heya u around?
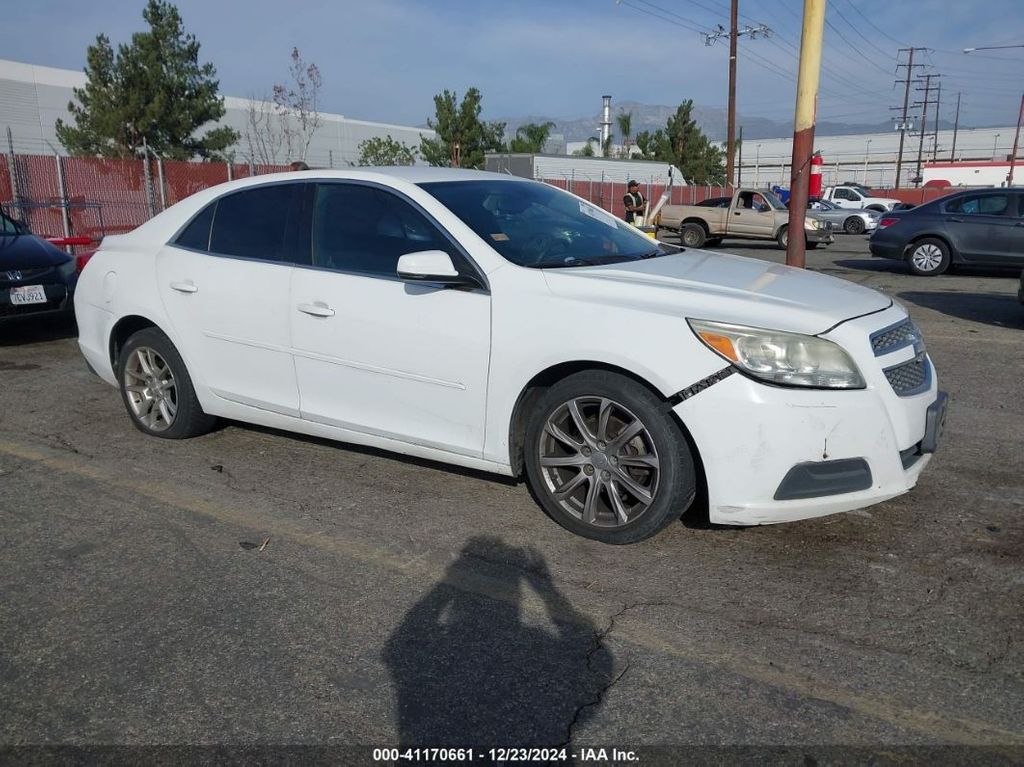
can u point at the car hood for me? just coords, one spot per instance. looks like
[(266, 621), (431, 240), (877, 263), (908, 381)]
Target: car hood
[(26, 251), (714, 286)]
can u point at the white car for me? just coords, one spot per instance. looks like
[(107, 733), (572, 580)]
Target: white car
[(502, 324)]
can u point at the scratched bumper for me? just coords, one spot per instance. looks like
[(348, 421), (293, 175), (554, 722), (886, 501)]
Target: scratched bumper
[(750, 436)]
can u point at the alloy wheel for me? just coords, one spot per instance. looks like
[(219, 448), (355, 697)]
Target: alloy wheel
[(151, 389), (599, 461), (927, 257)]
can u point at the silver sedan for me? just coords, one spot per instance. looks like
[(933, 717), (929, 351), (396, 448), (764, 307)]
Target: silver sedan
[(845, 219)]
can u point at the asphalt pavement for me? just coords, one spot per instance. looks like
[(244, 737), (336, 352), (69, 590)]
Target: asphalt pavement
[(260, 588)]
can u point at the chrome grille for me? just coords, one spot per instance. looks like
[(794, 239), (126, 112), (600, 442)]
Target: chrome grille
[(894, 337), (911, 377)]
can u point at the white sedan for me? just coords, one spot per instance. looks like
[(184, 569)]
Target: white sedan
[(505, 325)]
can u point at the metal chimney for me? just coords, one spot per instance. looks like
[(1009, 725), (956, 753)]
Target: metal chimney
[(606, 120)]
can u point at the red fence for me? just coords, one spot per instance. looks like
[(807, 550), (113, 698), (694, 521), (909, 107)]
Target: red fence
[(103, 196)]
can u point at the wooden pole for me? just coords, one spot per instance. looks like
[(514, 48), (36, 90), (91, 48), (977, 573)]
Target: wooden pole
[(730, 142), (1016, 141), (803, 128)]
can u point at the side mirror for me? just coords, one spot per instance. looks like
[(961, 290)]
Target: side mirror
[(431, 266)]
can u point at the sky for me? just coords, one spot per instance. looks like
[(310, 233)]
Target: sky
[(383, 60)]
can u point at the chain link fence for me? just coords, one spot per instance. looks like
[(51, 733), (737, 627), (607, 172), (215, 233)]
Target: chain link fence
[(90, 197)]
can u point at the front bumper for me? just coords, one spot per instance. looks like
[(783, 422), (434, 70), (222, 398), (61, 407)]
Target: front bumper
[(753, 437), (820, 235)]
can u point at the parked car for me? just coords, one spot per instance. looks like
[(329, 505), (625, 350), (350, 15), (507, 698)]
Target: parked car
[(849, 221), (978, 226), (752, 214), (501, 324), (857, 196), (1020, 289), (36, 278)]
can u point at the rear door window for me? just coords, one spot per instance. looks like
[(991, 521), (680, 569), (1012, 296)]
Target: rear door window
[(263, 223), (980, 205)]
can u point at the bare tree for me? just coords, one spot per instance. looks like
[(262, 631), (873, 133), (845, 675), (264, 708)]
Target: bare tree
[(265, 131), (298, 106)]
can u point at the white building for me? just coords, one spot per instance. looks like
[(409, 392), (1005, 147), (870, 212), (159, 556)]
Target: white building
[(32, 98), (871, 158)]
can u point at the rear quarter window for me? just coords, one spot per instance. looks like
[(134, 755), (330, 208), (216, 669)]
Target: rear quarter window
[(197, 234)]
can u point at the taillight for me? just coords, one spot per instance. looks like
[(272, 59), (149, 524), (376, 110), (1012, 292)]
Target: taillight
[(82, 259), (887, 222)]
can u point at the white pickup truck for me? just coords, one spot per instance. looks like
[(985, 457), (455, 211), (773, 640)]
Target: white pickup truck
[(856, 196)]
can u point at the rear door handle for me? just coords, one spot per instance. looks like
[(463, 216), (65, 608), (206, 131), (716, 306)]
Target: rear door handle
[(317, 309), (957, 219), (184, 287)]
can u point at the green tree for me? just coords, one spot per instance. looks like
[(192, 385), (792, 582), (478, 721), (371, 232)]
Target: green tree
[(625, 122), (385, 151), (683, 144), (587, 150), (531, 137), (462, 137), (153, 90), (699, 160)]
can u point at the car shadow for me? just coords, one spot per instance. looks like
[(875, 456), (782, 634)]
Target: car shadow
[(495, 655), (371, 451), (873, 265), (999, 309), (36, 330)]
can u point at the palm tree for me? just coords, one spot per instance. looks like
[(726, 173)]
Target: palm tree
[(625, 121)]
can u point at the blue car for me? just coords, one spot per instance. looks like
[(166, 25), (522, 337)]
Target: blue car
[(982, 227), (36, 278)]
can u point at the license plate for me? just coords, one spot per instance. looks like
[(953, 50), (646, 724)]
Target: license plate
[(28, 294)]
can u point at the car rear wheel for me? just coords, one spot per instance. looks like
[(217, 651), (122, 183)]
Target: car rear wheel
[(928, 257), (157, 390), (605, 459), (692, 235), (854, 225)]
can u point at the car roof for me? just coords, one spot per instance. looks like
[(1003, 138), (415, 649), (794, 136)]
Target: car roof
[(414, 174)]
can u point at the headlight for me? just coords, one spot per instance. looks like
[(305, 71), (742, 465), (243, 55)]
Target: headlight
[(775, 356), (812, 223)]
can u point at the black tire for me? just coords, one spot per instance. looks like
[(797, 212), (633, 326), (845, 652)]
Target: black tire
[(673, 481), (188, 419), (854, 225), (692, 235), (782, 237), (928, 257), (713, 242)]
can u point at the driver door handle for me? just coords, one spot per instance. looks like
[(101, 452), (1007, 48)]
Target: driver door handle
[(184, 287), (317, 309)]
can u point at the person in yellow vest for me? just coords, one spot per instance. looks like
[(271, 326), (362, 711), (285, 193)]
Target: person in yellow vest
[(634, 201)]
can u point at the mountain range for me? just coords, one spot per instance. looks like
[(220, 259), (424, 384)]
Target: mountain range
[(712, 120)]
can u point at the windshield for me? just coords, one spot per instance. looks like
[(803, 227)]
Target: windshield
[(536, 225), (774, 201)]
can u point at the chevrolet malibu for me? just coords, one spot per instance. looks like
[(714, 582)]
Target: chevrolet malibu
[(505, 325)]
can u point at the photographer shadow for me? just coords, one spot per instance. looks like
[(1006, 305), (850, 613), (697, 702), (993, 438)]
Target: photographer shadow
[(481, 662)]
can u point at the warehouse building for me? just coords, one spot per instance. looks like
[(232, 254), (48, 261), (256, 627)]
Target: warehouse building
[(32, 98)]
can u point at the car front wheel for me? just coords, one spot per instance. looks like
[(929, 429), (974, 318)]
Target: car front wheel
[(157, 390), (605, 459), (928, 257), (854, 225)]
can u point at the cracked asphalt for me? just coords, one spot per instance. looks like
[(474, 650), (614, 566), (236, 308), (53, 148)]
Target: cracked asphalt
[(399, 601)]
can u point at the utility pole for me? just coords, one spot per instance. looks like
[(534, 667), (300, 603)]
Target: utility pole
[(1016, 141), (734, 34), (956, 127), (927, 80), (903, 125), (739, 162), (938, 104), (731, 130), (803, 127)]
